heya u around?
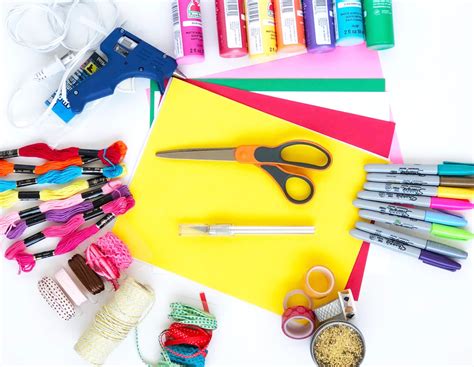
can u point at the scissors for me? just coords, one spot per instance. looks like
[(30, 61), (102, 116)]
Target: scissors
[(273, 160)]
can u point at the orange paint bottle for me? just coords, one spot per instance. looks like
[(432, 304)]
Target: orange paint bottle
[(289, 25)]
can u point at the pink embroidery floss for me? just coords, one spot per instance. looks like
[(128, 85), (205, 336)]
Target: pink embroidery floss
[(108, 257), (71, 241)]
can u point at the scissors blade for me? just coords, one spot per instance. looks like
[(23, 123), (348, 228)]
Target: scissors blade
[(221, 154)]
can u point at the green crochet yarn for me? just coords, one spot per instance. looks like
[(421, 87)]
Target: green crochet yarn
[(192, 316)]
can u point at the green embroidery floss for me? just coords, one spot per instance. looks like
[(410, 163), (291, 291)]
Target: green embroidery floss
[(378, 20)]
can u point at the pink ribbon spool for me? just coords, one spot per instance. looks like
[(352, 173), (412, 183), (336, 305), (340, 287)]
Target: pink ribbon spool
[(292, 326)]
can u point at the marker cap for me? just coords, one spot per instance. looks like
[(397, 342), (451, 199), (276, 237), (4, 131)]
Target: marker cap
[(442, 249), (439, 261), (456, 169), (456, 193), (450, 204), (453, 233), (447, 219)]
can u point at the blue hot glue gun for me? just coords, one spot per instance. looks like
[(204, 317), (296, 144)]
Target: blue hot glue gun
[(127, 57)]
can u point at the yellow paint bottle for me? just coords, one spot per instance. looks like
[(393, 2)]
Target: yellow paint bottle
[(260, 18)]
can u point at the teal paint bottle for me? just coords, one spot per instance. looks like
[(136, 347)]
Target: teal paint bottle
[(349, 22)]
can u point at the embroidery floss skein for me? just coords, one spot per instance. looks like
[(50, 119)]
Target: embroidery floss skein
[(8, 220), (114, 321), (63, 215), (62, 177), (110, 156), (108, 256), (7, 168), (10, 197), (86, 275), (27, 261)]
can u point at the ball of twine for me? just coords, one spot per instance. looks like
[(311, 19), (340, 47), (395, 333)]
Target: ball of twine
[(114, 321)]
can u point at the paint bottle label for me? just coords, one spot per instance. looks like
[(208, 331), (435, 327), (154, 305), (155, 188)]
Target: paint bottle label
[(379, 24), (93, 64), (349, 22), (322, 22), (261, 27), (232, 23), (187, 31), (288, 22)]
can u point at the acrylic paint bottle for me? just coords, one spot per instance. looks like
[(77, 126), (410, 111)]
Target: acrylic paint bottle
[(348, 22), (231, 30), (261, 34), (319, 25), (187, 30), (379, 24), (289, 24)]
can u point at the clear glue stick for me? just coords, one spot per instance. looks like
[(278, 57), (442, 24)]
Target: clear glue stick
[(289, 25), (260, 17), (187, 30), (231, 28)]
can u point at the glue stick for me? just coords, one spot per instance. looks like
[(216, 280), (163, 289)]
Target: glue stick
[(348, 22), (319, 25), (231, 28), (289, 25), (379, 24), (187, 30), (261, 33)]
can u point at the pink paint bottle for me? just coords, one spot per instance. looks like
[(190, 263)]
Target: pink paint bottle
[(187, 30), (231, 30)]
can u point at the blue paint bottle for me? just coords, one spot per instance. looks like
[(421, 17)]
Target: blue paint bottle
[(349, 22)]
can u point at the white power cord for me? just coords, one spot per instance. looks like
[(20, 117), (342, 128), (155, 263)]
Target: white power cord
[(59, 15)]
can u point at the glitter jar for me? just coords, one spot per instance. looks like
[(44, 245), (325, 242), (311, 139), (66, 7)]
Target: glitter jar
[(349, 331)]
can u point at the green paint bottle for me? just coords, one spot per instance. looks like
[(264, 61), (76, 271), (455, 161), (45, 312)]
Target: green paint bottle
[(378, 24)]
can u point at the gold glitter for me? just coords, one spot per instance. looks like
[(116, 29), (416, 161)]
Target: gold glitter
[(338, 346)]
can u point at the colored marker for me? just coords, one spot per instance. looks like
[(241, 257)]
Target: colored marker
[(187, 31), (444, 192), (348, 21), (261, 34), (319, 25), (403, 211), (429, 180), (446, 169), (423, 201), (427, 257), (231, 31), (289, 25), (432, 246), (437, 230)]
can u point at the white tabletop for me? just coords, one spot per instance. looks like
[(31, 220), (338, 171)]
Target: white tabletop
[(410, 314)]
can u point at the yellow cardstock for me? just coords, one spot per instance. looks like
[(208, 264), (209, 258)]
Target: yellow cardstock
[(257, 269)]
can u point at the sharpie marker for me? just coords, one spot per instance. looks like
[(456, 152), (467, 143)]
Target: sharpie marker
[(448, 169), (444, 192), (427, 257), (432, 246), (423, 201), (434, 229), (429, 180), (402, 211)]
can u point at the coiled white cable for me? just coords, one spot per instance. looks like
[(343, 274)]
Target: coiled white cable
[(59, 14)]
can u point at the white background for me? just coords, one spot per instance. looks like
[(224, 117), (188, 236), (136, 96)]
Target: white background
[(410, 314)]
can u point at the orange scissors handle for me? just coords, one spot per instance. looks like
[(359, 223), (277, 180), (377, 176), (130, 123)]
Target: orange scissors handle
[(297, 153)]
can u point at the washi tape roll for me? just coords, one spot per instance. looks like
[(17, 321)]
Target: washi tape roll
[(70, 287), (56, 298), (310, 291), (295, 292), (298, 322), (341, 308)]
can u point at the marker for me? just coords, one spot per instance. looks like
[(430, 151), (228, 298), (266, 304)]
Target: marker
[(446, 169), (437, 230), (403, 211), (429, 180), (432, 246), (423, 201), (427, 257), (444, 192)]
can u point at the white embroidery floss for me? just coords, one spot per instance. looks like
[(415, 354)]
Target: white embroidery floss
[(114, 321)]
